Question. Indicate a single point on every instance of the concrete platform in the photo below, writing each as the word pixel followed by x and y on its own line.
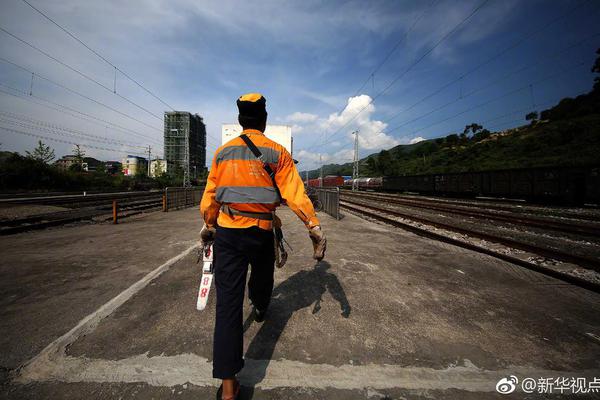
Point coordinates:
pixel 387 313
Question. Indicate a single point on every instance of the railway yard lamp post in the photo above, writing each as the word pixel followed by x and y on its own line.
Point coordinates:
pixel 355 162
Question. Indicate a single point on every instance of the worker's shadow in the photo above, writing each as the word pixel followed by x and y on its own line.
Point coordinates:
pixel 301 290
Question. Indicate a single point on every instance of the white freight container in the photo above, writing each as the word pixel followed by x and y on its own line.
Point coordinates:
pixel 281 134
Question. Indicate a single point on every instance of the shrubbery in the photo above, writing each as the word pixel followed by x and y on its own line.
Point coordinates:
pixel 19 173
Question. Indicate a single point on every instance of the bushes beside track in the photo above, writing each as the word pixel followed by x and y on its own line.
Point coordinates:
pixel 19 173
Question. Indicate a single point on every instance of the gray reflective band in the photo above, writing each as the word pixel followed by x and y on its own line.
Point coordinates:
pixel 270 155
pixel 247 194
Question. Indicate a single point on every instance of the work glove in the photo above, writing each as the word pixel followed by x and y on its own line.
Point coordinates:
pixel 207 235
pixel 319 242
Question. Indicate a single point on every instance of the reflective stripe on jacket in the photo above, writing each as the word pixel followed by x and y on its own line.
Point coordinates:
pixel 237 178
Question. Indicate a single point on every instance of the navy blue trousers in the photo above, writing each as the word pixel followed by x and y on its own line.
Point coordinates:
pixel 234 249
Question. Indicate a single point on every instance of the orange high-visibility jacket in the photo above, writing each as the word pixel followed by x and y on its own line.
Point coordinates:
pixel 237 178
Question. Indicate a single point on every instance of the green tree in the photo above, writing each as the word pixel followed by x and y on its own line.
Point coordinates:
pixel 472 128
pixel 79 154
pixel 596 69
pixel 158 168
pixel 452 139
pixel 41 153
pixel 372 165
pixel 532 116
pixel 482 134
pixel 385 163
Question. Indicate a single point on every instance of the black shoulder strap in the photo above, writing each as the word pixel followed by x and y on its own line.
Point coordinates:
pixel 265 165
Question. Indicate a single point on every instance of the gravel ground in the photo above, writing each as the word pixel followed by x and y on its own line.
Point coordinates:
pixel 580 245
pixel 14 211
pixel 563 267
pixel 516 207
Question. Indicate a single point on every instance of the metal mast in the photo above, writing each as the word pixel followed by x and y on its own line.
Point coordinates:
pixel 355 162
pixel 186 158
pixel 149 159
pixel 321 173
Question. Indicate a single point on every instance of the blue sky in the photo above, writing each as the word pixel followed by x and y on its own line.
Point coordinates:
pixel 309 59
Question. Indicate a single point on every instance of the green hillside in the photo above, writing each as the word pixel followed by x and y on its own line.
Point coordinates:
pixel 567 134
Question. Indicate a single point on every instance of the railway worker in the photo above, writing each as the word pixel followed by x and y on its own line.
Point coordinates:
pixel 238 207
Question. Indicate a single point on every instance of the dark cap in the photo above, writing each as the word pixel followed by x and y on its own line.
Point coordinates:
pixel 252 105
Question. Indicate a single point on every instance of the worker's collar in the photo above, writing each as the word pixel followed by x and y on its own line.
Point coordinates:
pixel 253 131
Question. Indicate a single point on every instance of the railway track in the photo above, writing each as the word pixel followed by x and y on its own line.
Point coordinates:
pixel 403 220
pixel 93 207
pixel 560 225
pixel 590 215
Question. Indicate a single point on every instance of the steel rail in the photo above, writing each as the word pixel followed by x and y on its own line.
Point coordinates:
pixel 551 253
pixel 513 219
pixel 482 203
pixel 36 222
pixel 595 287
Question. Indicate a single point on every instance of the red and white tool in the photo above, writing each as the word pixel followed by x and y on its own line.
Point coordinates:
pixel 207 277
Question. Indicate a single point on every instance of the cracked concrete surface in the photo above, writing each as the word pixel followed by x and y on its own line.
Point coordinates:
pixel 388 314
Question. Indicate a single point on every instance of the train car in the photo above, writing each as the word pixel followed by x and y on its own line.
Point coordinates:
pixel 424 184
pixel 558 185
pixel 365 183
pixel 328 181
pixel 592 186
pixel 458 184
pixel 333 181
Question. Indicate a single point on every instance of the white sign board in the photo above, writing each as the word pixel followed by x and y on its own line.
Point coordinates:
pixel 281 134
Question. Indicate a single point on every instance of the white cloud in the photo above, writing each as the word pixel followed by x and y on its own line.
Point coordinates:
pixel 357 115
pixel 311 160
pixel 302 117
pixel 336 130
pixel 416 140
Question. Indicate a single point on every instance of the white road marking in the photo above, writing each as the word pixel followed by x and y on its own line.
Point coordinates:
pixel 168 371
pixel 52 364
pixel 55 351
pixel 593 336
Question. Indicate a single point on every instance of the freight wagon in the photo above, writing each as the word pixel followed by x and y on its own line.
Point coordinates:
pixel 328 181
pixel 559 185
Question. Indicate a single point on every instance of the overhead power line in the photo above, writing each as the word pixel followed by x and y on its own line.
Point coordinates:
pixel 398 43
pixel 511 46
pixel 29 97
pixel 111 90
pixel 83 116
pixel 520 89
pixel 492 83
pixel 65 141
pixel 80 94
pixel 408 69
pixel 45 125
pixel 98 54
pixel 30 126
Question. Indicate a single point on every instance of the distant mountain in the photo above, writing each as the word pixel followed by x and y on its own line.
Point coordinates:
pixel 567 134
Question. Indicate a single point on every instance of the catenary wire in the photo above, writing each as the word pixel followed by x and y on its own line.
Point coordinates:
pixel 60 133
pixel 26 96
pixel 65 141
pixel 398 43
pixel 80 73
pixel 53 126
pixel 33 123
pixel 98 54
pixel 81 94
pixel 408 69
pixel 511 46
pixel 490 84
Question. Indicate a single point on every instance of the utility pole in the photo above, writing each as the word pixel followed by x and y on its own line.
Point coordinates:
pixel 186 159
pixel 321 174
pixel 149 159
pixel 355 162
